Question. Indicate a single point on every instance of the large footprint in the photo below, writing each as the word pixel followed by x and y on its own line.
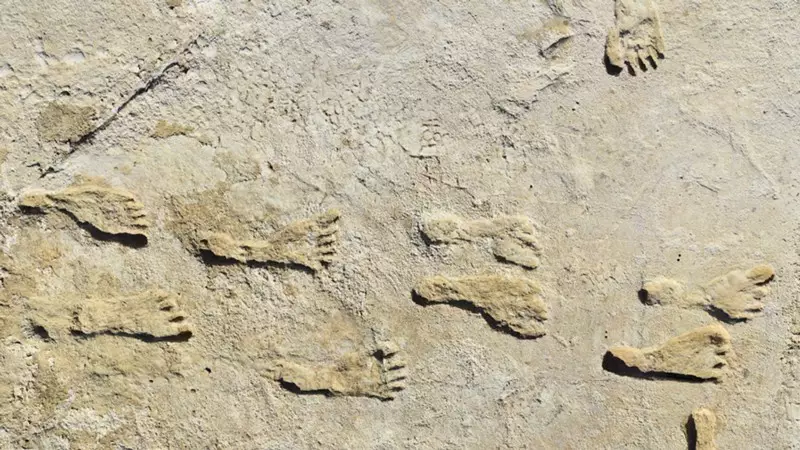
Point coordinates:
pixel 381 374
pixel 149 315
pixel 152 314
pixel 309 243
pixel 513 304
pixel 737 295
pixel 512 237
pixel 700 354
pixel 110 210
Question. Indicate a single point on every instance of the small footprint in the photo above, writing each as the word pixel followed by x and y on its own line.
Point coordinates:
pixel 512 236
pixel 636 39
pixel 513 305
pixel 698 355
pixel 74 56
pixel 735 296
pixel 381 374
pixel 5 70
pixel 309 243
pixel 109 211
pixel 702 429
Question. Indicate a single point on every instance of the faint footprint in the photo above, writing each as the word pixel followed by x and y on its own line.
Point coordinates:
pixel 74 56
pixel 737 295
pixel 102 208
pixel 381 374
pixel 510 304
pixel 701 429
pixel 636 39
pixel 309 243
pixel 152 315
pixel 61 122
pixel 698 355
pixel 512 236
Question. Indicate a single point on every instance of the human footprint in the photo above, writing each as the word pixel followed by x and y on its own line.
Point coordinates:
pixel 737 295
pixel 702 428
pixel 109 210
pixel 152 315
pixel 380 374
pixel 512 304
pixel 309 243
pixel 637 37
pixel 512 237
pixel 700 354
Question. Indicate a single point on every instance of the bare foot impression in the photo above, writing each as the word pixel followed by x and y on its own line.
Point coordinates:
pixel 735 296
pixel 309 243
pixel 636 39
pixel 513 305
pixel 104 209
pixel 381 374
pixel 702 429
pixel 698 355
pixel 152 315
pixel 512 236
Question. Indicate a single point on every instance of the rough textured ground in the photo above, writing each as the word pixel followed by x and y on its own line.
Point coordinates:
pixel 170 287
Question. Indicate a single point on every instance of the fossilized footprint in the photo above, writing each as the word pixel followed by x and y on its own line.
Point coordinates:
pixel 702 428
pixel 512 236
pixel 309 243
pixel 150 315
pixel 104 208
pixel 381 374
pixel 737 295
pixel 513 304
pixel 637 37
pixel 700 354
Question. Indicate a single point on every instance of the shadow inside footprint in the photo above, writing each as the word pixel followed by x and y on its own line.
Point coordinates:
pixel 128 240
pixel 183 336
pixel 691 433
pixel 41 332
pixel 643 296
pixel 615 365
pixel 722 316
pixel 610 68
pixel 294 389
pixel 210 258
pixel 469 306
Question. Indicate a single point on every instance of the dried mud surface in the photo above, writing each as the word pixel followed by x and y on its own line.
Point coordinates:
pixel 381 224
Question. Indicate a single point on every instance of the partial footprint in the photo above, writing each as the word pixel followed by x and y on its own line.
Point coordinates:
pixel 309 243
pixel 636 39
pixel 59 122
pixel 381 374
pixel 109 211
pixel 150 316
pixel 697 355
pixel 702 429
pixel 738 295
pixel 512 236
pixel 513 305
